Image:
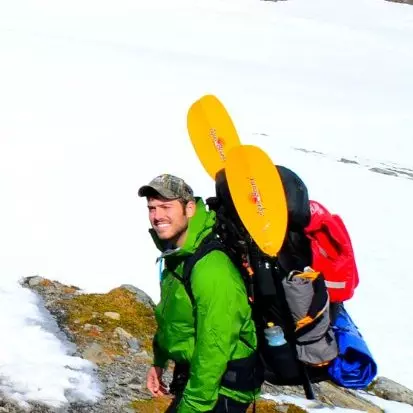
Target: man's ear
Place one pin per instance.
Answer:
(190, 209)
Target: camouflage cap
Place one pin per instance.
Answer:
(169, 187)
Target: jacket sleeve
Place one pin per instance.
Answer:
(216, 288)
(160, 359)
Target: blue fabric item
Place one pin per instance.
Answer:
(354, 367)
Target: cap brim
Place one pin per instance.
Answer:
(148, 190)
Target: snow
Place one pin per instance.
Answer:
(36, 361)
(388, 405)
(311, 406)
(93, 104)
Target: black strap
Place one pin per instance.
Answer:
(320, 297)
(210, 243)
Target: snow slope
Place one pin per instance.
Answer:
(93, 102)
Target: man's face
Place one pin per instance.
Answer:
(169, 218)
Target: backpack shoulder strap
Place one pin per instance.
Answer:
(210, 243)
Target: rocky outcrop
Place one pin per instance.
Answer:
(389, 169)
(115, 331)
(402, 1)
(390, 390)
(112, 330)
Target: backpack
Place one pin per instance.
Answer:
(332, 252)
(318, 239)
(291, 290)
(295, 300)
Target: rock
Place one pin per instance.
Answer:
(390, 390)
(383, 171)
(112, 315)
(115, 369)
(403, 171)
(327, 395)
(122, 334)
(135, 386)
(92, 327)
(34, 281)
(122, 355)
(350, 161)
(126, 339)
(402, 1)
(96, 354)
(141, 296)
(334, 395)
(134, 344)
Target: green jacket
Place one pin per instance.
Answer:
(216, 332)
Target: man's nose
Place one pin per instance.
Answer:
(159, 214)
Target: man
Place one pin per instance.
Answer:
(212, 340)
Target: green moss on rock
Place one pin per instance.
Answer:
(159, 405)
(136, 318)
(156, 405)
(270, 406)
(292, 408)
